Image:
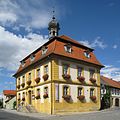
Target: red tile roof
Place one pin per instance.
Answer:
(110, 82)
(56, 46)
(9, 92)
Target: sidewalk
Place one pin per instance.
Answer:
(33, 115)
(48, 116)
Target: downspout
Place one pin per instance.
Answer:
(51, 89)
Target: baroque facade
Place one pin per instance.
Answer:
(61, 76)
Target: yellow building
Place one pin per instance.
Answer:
(59, 77)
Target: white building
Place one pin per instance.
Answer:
(9, 97)
(110, 92)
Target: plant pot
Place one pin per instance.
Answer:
(82, 97)
(93, 98)
(67, 97)
(37, 80)
(28, 82)
(45, 95)
(66, 76)
(18, 86)
(45, 77)
(81, 79)
(18, 99)
(93, 80)
(23, 84)
(37, 97)
(23, 99)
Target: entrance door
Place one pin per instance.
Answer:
(117, 102)
(30, 98)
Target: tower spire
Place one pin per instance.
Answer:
(53, 26)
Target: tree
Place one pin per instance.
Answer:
(14, 105)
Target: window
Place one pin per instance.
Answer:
(29, 77)
(19, 96)
(38, 73)
(112, 91)
(79, 91)
(92, 72)
(32, 57)
(44, 50)
(68, 48)
(57, 92)
(65, 90)
(18, 81)
(91, 92)
(23, 94)
(46, 90)
(23, 79)
(46, 69)
(65, 69)
(117, 91)
(79, 71)
(23, 63)
(38, 91)
(87, 53)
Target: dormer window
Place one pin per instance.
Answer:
(23, 63)
(87, 53)
(32, 57)
(68, 48)
(44, 50)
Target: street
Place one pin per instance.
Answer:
(102, 115)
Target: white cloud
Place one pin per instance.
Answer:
(26, 13)
(115, 46)
(96, 43)
(111, 72)
(14, 48)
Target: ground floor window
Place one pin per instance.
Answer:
(65, 90)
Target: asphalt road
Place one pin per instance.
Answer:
(102, 115)
(10, 116)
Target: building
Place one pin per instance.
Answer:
(9, 99)
(110, 92)
(61, 76)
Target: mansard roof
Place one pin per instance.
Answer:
(56, 46)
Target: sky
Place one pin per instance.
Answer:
(24, 28)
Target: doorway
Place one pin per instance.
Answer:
(117, 102)
(29, 97)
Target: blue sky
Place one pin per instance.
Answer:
(23, 28)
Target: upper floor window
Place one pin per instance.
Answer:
(38, 73)
(65, 90)
(18, 81)
(92, 72)
(79, 91)
(46, 90)
(87, 53)
(23, 63)
(29, 76)
(44, 50)
(23, 79)
(23, 94)
(79, 71)
(46, 69)
(91, 92)
(38, 91)
(68, 48)
(32, 57)
(65, 69)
